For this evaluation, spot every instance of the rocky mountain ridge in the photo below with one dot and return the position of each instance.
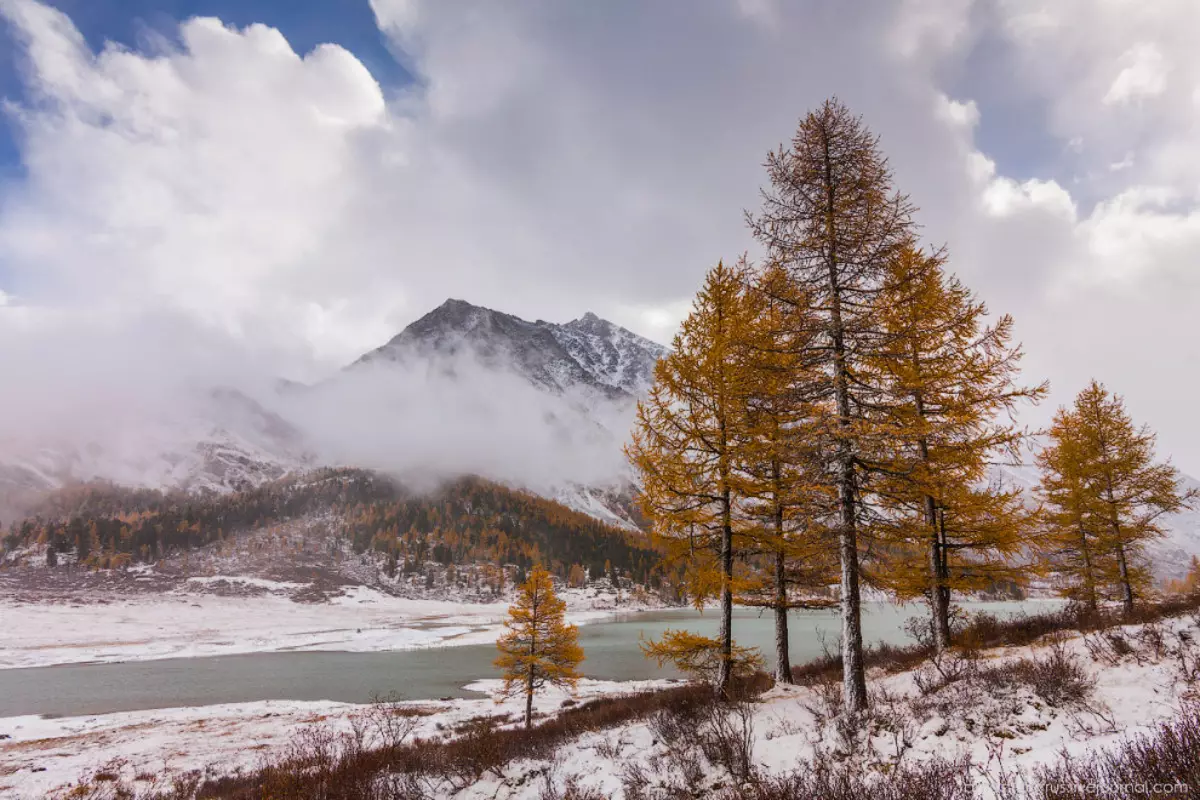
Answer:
(586, 353)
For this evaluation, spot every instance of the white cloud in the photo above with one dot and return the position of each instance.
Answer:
(1004, 197)
(204, 178)
(960, 114)
(1143, 75)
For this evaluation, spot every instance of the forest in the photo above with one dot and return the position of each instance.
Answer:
(464, 521)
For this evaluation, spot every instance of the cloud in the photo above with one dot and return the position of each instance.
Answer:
(1144, 75)
(460, 416)
(553, 158)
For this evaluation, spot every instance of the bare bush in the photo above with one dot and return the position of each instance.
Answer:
(931, 780)
(1056, 677)
(727, 739)
(1164, 763)
(941, 670)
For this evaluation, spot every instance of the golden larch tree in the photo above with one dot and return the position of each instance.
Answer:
(830, 216)
(538, 647)
(952, 394)
(1073, 532)
(789, 503)
(688, 444)
(1125, 491)
(1190, 582)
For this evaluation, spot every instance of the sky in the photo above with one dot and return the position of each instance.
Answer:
(269, 187)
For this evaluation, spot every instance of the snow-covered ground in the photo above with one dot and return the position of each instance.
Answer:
(39, 756)
(1006, 731)
(1004, 726)
(98, 627)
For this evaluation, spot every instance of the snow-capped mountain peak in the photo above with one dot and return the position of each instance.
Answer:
(587, 353)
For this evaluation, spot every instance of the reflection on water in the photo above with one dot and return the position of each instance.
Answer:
(611, 648)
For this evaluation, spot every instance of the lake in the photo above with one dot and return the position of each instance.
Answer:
(611, 648)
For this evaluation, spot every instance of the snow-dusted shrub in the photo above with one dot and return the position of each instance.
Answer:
(941, 670)
(1165, 763)
(935, 779)
(727, 739)
(1056, 677)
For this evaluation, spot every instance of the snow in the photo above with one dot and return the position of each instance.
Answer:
(1005, 730)
(220, 739)
(1004, 734)
(185, 625)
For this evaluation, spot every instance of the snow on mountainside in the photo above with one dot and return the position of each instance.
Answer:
(221, 441)
(587, 353)
(613, 355)
(464, 389)
(587, 374)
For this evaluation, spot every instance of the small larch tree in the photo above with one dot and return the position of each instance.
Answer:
(538, 647)
(1122, 492)
(1072, 541)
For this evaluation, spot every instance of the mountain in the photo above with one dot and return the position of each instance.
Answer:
(463, 390)
(216, 441)
(588, 353)
(565, 390)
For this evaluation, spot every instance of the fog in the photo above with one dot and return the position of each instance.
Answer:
(430, 420)
(137, 402)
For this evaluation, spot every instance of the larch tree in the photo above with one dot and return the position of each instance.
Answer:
(1125, 490)
(831, 217)
(788, 504)
(1190, 582)
(1072, 542)
(538, 647)
(688, 443)
(952, 393)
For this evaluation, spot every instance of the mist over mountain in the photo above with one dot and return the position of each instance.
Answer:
(463, 390)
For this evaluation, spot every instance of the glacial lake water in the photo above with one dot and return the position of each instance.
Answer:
(611, 647)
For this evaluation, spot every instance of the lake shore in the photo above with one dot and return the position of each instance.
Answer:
(995, 719)
(108, 627)
(39, 756)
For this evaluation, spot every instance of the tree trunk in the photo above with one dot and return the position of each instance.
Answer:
(529, 699)
(944, 589)
(939, 607)
(534, 608)
(1126, 586)
(854, 681)
(783, 662)
(725, 671)
(1089, 579)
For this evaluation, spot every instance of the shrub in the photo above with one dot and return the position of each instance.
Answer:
(1057, 677)
(1168, 758)
(313, 768)
(931, 780)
